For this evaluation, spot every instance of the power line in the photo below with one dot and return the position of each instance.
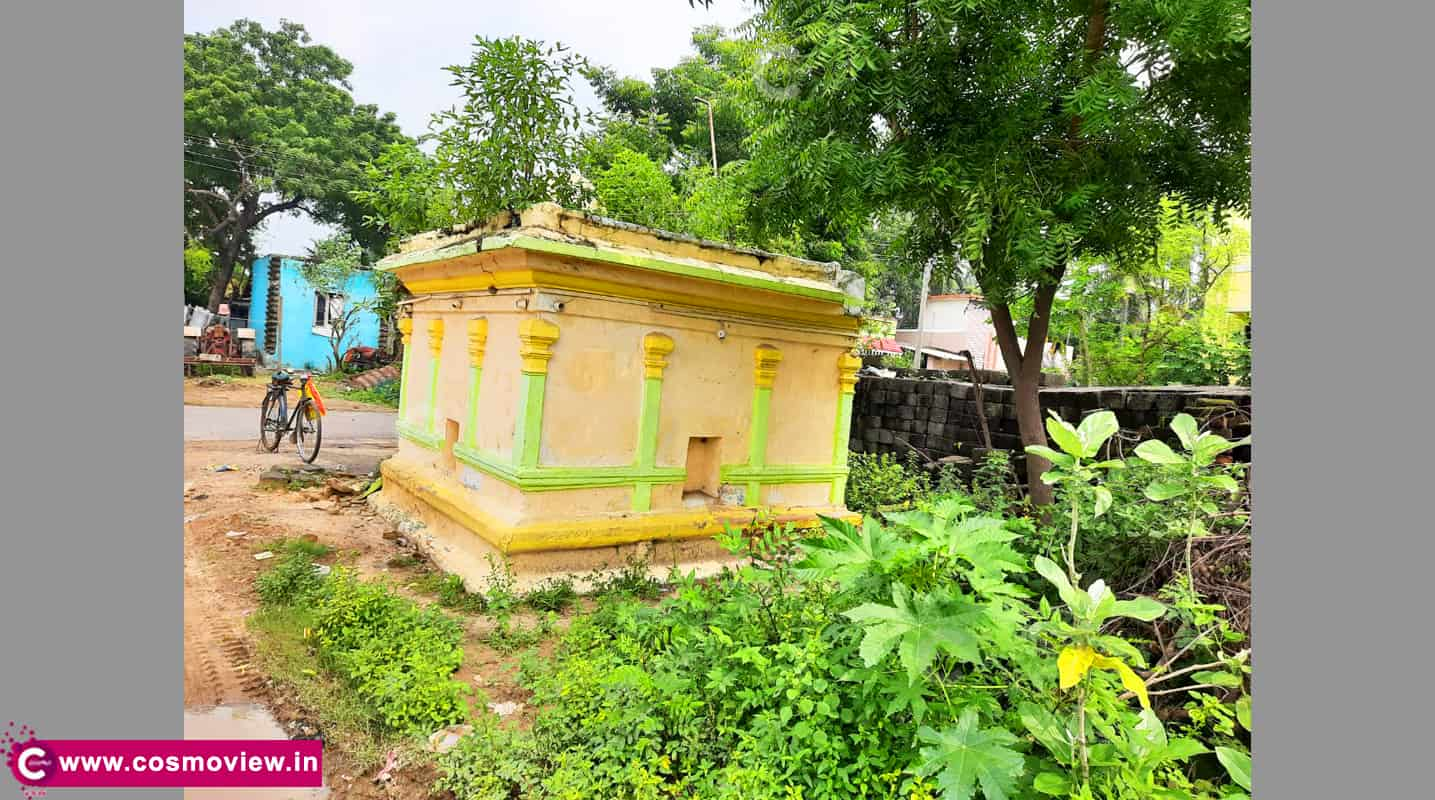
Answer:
(254, 171)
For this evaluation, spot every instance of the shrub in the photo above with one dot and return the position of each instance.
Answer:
(554, 594)
(921, 656)
(398, 656)
(879, 481)
(292, 580)
(452, 594)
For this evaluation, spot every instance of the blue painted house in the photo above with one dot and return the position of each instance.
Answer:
(291, 319)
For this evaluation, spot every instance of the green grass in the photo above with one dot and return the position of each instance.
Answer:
(385, 394)
(284, 651)
(554, 594)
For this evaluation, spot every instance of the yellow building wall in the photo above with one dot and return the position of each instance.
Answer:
(588, 487)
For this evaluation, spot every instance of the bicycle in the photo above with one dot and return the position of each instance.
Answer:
(305, 426)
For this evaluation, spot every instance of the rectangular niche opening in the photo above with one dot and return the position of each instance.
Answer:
(703, 463)
(450, 438)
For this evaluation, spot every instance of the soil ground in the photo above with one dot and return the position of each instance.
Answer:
(219, 572)
(234, 391)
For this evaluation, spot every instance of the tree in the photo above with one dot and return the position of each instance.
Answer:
(198, 264)
(513, 141)
(1146, 320)
(402, 188)
(331, 267)
(1022, 135)
(270, 128)
(717, 71)
(634, 189)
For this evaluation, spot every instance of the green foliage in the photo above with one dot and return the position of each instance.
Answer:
(304, 547)
(965, 757)
(634, 189)
(198, 264)
(452, 594)
(719, 69)
(396, 656)
(1036, 135)
(284, 651)
(554, 594)
(643, 133)
(292, 580)
(402, 188)
(1041, 152)
(910, 658)
(879, 481)
(270, 127)
(715, 206)
(514, 138)
(1147, 319)
(994, 487)
(383, 394)
(631, 581)
(332, 265)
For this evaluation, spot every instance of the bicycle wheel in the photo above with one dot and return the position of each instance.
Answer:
(271, 423)
(308, 430)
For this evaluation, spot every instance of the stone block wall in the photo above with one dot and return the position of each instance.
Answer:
(938, 416)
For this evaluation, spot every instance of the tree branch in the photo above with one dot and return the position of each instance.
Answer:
(287, 205)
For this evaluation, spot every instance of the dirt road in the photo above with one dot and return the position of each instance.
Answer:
(219, 569)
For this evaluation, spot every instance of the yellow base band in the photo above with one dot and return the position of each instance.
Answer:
(443, 496)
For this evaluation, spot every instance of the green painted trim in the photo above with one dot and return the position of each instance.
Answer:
(842, 431)
(475, 375)
(781, 473)
(528, 428)
(418, 435)
(757, 433)
(548, 479)
(404, 383)
(433, 398)
(702, 272)
(400, 260)
(840, 434)
(648, 416)
(643, 497)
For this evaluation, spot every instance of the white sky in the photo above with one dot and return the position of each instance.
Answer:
(399, 49)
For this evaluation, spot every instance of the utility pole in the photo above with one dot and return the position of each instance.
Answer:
(712, 133)
(922, 315)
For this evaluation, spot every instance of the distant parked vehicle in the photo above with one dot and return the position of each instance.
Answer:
(361, 358)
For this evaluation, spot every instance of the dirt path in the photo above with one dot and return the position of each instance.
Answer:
(219, 573)
(219, 570)
(241, 392)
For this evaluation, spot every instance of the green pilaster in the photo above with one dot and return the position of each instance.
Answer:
(406, 329)
(535, 349)
(847, 366)
(475, 374)
(435, 331)
(647, 439)
(839, 444)
(656, 349)
(757, 440)
(477, 343)
(528, 428)
(765, 359)
(429, 424)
